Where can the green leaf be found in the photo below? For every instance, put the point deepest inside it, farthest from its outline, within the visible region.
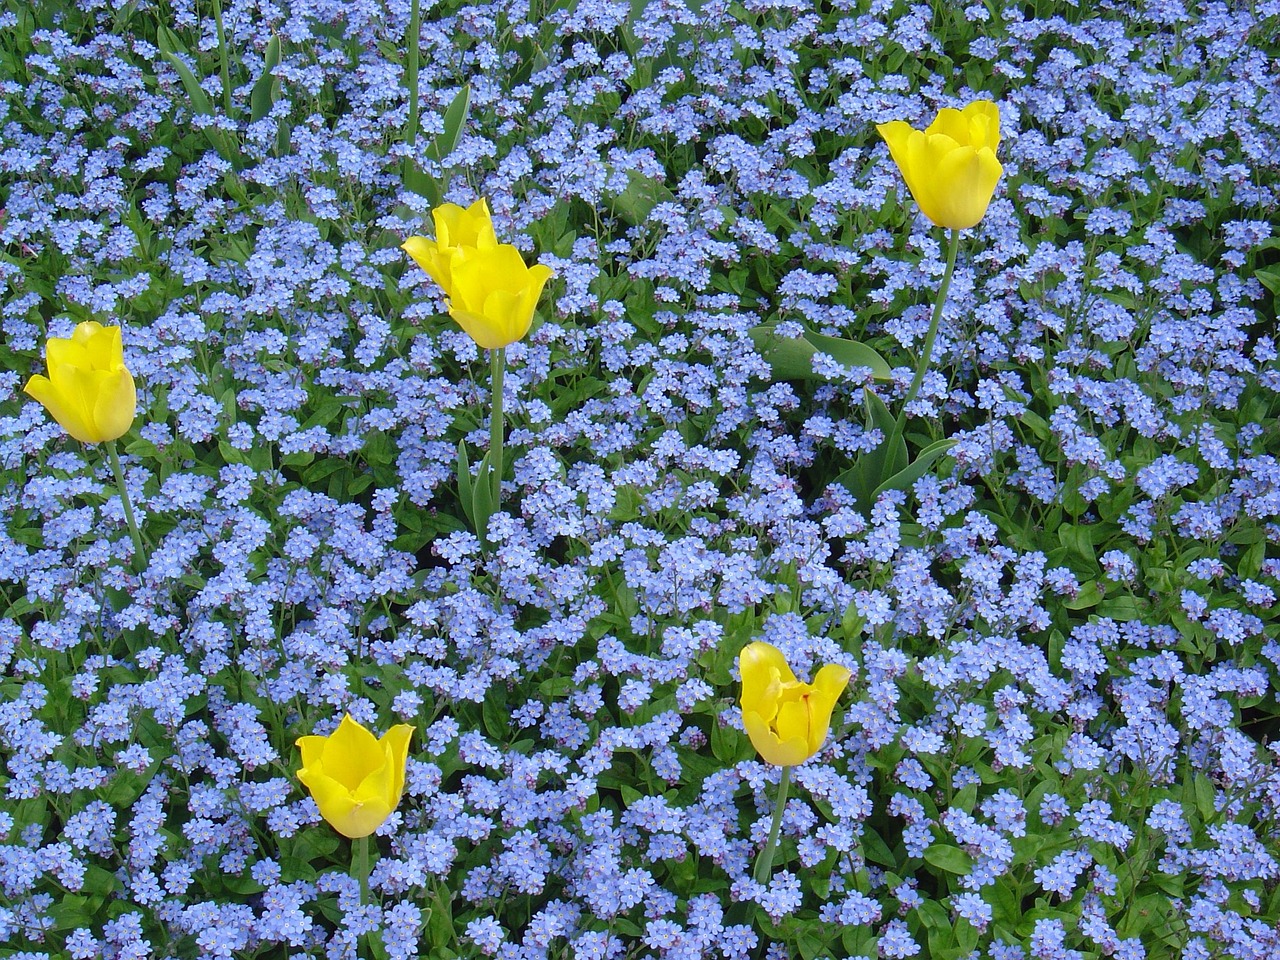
(948, 858)
(1088, 596)
(903, 479)
(455, 120)
(169, 46)
(482, 506)
(266, 89)
(639, 197)
(464, 483)
(440, 926)
(792, 359)
(1269, 277)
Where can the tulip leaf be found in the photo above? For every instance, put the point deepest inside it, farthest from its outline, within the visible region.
(639, 197)
(419, 182)
(464, 483)
(903, 479)
(169, 45)
(455, 119)
(792, 359)
(865, 478)
(482, 499)
(267, 87)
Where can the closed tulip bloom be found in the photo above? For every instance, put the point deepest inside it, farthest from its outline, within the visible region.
(494, 294)
(355, 780)
(457, 228)
(88, 390)
(950, 167)
(787, 720)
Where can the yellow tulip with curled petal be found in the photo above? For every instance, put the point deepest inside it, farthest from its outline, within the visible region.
(457, 229)
(356, 780)
(950, 167)
(89, 390)
(494, 294)
(787, 720)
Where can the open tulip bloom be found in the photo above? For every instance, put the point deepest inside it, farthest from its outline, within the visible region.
(787, 720)
(950, 167)
(355, 779)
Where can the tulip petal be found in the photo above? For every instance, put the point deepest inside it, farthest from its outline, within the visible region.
(65, 408)
(950, 123)
(346, 814)
(764, 671)
(116, 404)
(395, 744)
(970, 177)
(771, 749)
(427, 255)
(983, 118)
(103, 345)
(351, 754)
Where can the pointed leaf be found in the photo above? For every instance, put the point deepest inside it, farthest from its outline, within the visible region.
(482, 500)
(169, 45)
(464, 482)
(792, 359)
(267, 87)
(455, 119)
(903, 479)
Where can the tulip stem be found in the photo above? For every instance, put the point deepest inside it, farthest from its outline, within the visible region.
(412, 41)
(764, 863)
(360, 864)
(498, 363)
(926, 354)
(139, 554)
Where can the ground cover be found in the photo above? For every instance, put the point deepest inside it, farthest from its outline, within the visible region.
(1049, 568)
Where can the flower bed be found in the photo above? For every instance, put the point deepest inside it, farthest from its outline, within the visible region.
(1038, 526)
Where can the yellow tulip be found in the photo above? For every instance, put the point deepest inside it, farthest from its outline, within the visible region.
(355, 780)
(88, 390)
(456, 229)
(787, 720)
(494, 294)
(950, 167)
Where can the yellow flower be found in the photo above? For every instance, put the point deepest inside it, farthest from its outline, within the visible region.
(457, 229)
(787, 720)
(355, 780)
(88, 390)
(951, 167)
(494, 294)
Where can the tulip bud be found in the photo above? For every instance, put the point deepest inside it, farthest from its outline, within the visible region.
(950, 167)
(88, 390)
(355, 780)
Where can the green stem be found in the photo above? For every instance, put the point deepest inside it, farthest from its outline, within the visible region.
(922, 365)
(498, 364)
(222, 53)
(411, 41)
(139, 553)
(360, 866)
(926, 353)
(764, 864)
